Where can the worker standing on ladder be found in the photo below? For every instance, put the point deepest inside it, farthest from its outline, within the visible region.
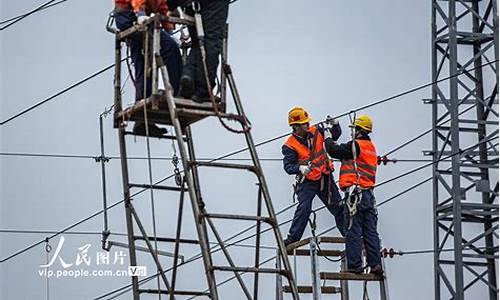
(305, 156)
(357, 180)
(128, 12)
(214, 16)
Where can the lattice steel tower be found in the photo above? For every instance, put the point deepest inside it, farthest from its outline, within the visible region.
(465, 128)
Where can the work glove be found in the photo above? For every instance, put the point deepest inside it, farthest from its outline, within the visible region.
(333, 129)
(141, 17)
(304, 169)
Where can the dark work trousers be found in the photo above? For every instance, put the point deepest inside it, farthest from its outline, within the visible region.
(214, 16)
(169, 51)
(363, 230)
(305, 195)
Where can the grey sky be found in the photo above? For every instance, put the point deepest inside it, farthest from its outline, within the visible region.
(328, 56)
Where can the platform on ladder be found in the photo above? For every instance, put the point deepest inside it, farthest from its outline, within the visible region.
(296, 249)
(188, 111)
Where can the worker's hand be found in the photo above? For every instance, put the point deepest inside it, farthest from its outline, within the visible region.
(304, 169)
(328, 134)
(330, 122)
(333, 129)
(141, 17)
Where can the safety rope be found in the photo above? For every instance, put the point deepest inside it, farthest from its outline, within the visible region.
(201, 38)
(312, 224)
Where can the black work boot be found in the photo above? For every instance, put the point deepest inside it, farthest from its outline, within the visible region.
(200, 99)
(288, 241)
(154, 131)
(377, 270)
(187, 87)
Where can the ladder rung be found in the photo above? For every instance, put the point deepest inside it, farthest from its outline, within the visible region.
(241, 217)
(332, 239)
(223, 165)
(325, 239)
(250, 270)
(185, 20)
(307, 252)
(350, 276)
(176, 292)
(167, 240)
(307, 289)
(156, 187)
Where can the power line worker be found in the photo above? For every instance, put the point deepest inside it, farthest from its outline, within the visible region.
(214, 16)
(304, 155)
(357, 179)
(127, 12)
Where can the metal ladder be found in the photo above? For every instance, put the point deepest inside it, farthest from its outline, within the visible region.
(163, 108)
(316, 288)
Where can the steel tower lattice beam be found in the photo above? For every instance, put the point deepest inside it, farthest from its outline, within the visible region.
(465, 34)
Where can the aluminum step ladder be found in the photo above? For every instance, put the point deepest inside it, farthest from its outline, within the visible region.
(163, 108)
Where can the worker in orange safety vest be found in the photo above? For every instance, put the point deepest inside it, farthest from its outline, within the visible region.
(357, 179)
(304, 155)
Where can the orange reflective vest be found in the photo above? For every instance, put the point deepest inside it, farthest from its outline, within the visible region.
(148, 6)
(367, 167)
(320, 162)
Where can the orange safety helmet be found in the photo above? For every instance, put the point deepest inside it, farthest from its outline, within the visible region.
(298, 115)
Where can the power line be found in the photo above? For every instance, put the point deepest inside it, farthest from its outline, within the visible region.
(428, 130)
(58, 94)
(461, 151)
(32, 231)
(16, 19)
(365, 106)
(114, 157)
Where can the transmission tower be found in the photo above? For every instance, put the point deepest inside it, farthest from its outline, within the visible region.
(465, 122)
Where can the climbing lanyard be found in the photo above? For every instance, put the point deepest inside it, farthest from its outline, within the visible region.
(299, 178)
(354, 193)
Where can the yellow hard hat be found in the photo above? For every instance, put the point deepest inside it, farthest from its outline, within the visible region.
(298, 115)
(364, 122)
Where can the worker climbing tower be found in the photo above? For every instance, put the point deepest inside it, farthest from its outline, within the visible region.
(163, 108)
(465, 131)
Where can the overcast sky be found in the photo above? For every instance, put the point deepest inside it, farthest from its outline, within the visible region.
(328, 56)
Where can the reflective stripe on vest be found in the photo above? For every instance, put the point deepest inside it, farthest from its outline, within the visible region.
(320, 162)
(367, 167)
